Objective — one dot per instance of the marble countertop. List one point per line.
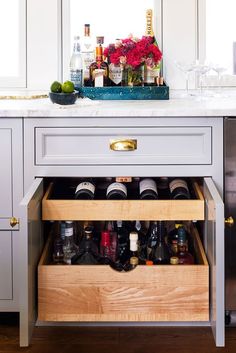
(176, 106)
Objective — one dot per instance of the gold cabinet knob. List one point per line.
(123, 145)
(229, 221)
(14, 221)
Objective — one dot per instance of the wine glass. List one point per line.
(186, 68)
(219, 69)
(201, 71)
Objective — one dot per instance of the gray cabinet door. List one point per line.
(31, 237)
(214, 246)
(11, 190)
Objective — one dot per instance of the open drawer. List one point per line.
(147, 293)
(98, 210)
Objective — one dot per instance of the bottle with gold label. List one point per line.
(98, 70)
(151, 70)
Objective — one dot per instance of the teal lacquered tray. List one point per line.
(126, 93)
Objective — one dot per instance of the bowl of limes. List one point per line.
(63, 93)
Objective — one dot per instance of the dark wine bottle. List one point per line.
(185, 258)
(179, 189)
(85, 190)
(148, 189)
(160, 252)
(116, 191)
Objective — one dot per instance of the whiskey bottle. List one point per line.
(70, 249)
(87, 51)
(58, 254)
(98, 70)
(160, 252)
(179, 189)
(76, 64)
(85, 190)
(88, 252)
(148, 189)
(185, 258)
(172, 238)
(151, 72)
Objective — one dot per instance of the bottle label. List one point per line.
(69, 232)
(150, 74)
(115, 73)
(178, 183)
(117, 186)
(147, 184)
(133, 245)
(88, 59)
(85, 185)
(76, 77)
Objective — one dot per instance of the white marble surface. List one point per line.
(176, 106)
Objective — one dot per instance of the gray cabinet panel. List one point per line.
(5, 265)
(214, 246)
(31, 237)
(91, 146)
(6, 172)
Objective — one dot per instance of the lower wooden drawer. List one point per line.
(148, 293)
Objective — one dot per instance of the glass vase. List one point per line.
(132, 76)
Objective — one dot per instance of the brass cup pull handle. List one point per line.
(123, 145)
(14, 221)
(229, 221)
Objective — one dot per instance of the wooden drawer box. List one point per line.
(172, 145)
(98, 210)
(148, 293)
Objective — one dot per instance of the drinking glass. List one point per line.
(219, 69)
(186, 69)
(201, 70)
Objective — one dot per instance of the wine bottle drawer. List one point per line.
(98, 210)
(147, 293)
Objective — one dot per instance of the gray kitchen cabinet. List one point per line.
(72, 147)
(11, 191)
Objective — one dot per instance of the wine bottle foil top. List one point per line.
(133, 236)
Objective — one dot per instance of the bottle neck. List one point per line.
(149, 26)
(76, 48)
(87, 31)
(99, 53)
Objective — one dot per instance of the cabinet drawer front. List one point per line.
(148, 293)
(92, 146)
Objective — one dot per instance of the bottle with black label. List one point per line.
(85, 190)
(116, 191)
(148, 189)
(179, 189)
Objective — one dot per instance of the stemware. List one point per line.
(186, 68)
(201, 70)
(219, 69)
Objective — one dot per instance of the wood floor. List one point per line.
(113, 339)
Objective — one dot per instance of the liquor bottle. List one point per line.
(160, 252)
(76, 64)
(87, 51)
(172, 238)
(185, 258)
(88, 252)
(123, 243)
(109, 227)
(85, 190)
(142, 241)
(105, 246)
(133, 247)
(115, 71)
(152, 235)
(148, 189)
(98, 70)
(151, 72)
(58, 254)
(179, 189)
(116, 191)
(70, 249)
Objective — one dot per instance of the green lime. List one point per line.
(56, 87)
(68, 87)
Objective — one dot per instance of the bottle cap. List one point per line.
(133, 261)
(174, 260)
(100, 40)
(133, 236)
(88, 231)
(149, 262)
(177, 225)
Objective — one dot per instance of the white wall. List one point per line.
(43, 43)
